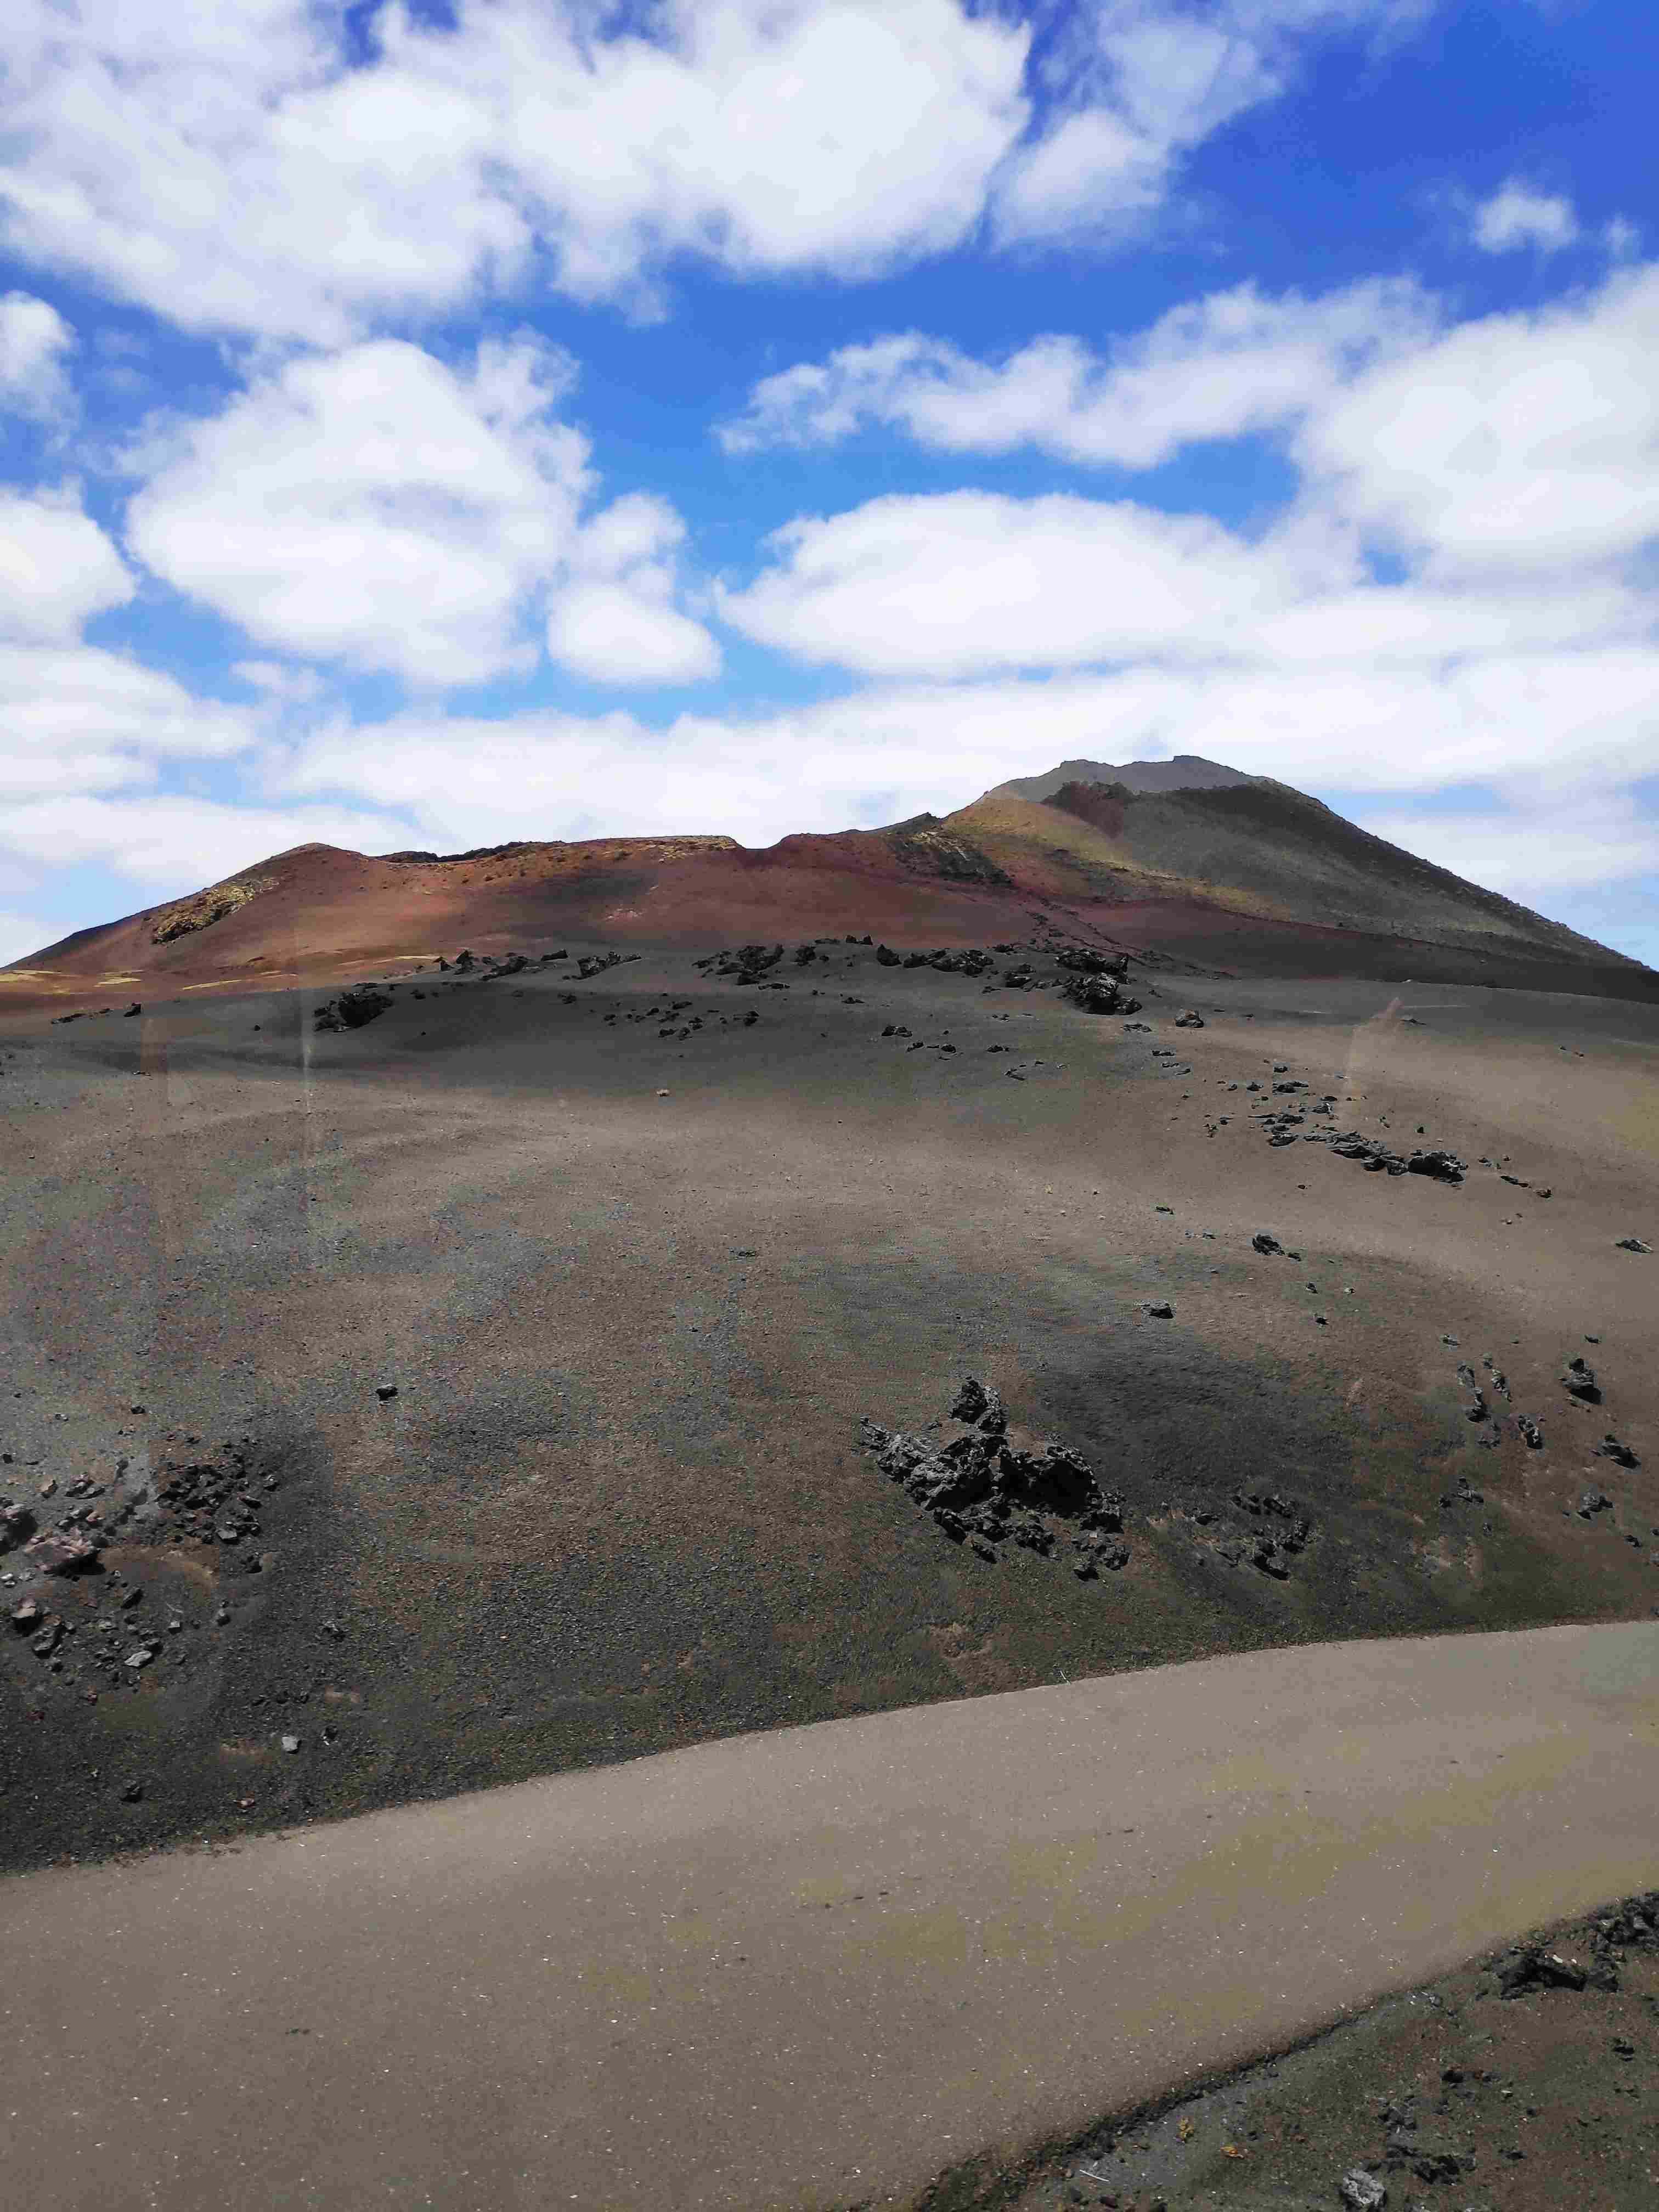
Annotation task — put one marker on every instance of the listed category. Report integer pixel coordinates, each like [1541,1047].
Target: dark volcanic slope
[1228,874]
[1186,772]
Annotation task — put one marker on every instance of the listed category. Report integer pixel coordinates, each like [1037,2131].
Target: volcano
[1184,861]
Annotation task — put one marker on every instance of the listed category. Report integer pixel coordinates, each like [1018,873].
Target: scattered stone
[384,1391]
[1579,1379]
[1431,2165]
[354,1008]
[1362,2191]
[129,1598]
[62,1551]
[290,1743]
[1157,1310]
[1536,1969]
[1261,1241]
[1632,1244]
[1100,994]
[139,1657]
[28,1615]
[131,1792]
[1443,1166]
[135,1008]
[1620,1453]
[1087,961]
[970,1400]
[1192,1020]
[1530,1429]
[1592,1503]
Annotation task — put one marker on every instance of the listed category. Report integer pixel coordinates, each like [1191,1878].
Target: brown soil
[618,1503]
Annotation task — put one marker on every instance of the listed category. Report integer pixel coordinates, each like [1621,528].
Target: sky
[432,424]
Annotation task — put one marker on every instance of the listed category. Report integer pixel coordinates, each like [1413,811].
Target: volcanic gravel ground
[1528,2080]
[519,1336]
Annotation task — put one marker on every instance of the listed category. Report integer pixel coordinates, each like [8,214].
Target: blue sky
[536,418]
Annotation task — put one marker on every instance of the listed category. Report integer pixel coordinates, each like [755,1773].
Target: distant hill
[1183,862]
[1186,772]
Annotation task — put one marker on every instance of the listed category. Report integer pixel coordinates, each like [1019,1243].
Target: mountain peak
[1185,772]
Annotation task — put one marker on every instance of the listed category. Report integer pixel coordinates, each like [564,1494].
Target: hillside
[1185,861]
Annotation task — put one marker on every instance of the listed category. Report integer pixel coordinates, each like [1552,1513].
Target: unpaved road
[816,1966]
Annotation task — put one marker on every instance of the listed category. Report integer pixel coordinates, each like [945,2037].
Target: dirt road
[816,1966]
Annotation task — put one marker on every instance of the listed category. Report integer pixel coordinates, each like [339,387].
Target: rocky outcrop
[983,1490]
[201,912]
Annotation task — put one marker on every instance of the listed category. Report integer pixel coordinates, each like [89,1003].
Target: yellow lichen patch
[205,907]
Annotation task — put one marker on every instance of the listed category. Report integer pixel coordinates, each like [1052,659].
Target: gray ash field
[482,1388]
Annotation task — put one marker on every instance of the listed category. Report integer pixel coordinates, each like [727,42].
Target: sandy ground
[614,1501]
[617,1502]
[816,1966]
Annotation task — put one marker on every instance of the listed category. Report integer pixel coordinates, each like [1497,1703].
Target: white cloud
[1620,239]
[375,507]
[617,623]
[1528,851]
[1518,217]
[34,343]
[1155,85]
[1140,85]
[961,582]
[379,508]
[281,683]
[1515,443]
[78,718]
[611,634]
[21,933]
[222,162]
[1510,463]
[1583,720]
[167,843]
[57,568]
[1226,366]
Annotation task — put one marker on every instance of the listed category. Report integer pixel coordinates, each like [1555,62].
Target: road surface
[816,1966]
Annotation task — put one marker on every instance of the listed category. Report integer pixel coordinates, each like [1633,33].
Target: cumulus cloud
[78,718]
[1514,443]
[376,506]
[889,750]
[229,165]
[236,166]
[1227,366]
[1527,850]
[167,843]
[1509,465]
[280,682]
[1517,216]
[961,582]
[617,623]
[35,343]
[1138,86]
[381,509]
[58,568]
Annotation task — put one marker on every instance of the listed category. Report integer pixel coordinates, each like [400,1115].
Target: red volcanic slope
[318,915]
